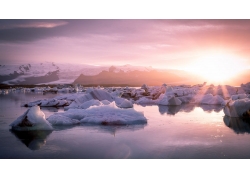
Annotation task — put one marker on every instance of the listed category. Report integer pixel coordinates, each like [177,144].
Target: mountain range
[127,75]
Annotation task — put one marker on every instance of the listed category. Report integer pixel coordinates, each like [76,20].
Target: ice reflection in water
[173,110]
[34,140]
[111,129]
[238,125]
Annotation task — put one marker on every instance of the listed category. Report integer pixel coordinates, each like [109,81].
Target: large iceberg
[104,114]
[237,108]
[32,119]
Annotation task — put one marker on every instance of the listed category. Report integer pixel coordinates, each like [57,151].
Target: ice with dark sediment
[32,119]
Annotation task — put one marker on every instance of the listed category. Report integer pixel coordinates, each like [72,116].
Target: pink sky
[156,43]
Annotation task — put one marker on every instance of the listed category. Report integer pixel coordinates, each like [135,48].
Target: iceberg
[62,120]
[169,100]
[89,103]
[237,108]
[32,119]
[103,114]
[209,99]
[123,103]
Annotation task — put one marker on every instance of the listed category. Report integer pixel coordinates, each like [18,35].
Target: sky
[164,43]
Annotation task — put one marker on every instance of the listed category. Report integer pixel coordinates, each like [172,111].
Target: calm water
[185,131]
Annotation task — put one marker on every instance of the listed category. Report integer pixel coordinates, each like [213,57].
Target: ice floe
[56,119]
[237,108]
[32,119]
[104,114]
[123,103]
[166,95]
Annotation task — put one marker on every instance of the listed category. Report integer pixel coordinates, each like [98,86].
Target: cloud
[14,24]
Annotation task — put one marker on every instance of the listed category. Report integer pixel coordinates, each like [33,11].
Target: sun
[216,68]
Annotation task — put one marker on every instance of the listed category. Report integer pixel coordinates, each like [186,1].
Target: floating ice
[208,99]
[56,119]
[123,103]
[104,114]
[32,119]
[238,96]
[237,108]
[105,102]
[89,103]
[145,100]
[169,100]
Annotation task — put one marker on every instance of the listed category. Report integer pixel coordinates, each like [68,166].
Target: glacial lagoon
[171,132]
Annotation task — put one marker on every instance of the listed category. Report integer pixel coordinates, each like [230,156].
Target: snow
[32,119]
[67,72]
[104,114]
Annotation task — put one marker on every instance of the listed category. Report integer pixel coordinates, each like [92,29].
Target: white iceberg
[32,119]
[123,103]
[104,114]
[169,100]
[208,99]
[238,96]
[89,103]
[105,102]
[56,119]
[237,108]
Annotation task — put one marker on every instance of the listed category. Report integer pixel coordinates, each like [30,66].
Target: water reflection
[210,108]
[115,129]
[34,140]
[111,129]
[172,110]
[238,125]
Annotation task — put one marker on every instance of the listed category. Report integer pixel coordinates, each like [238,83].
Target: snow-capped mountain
[55,73]
[58,73]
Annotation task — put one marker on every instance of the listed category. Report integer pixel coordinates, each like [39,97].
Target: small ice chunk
[169,100]
[105,102]
[101,95]
[89,103]
[237,108]
[238,96]
[32,119]
[123,103]
[62,120]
